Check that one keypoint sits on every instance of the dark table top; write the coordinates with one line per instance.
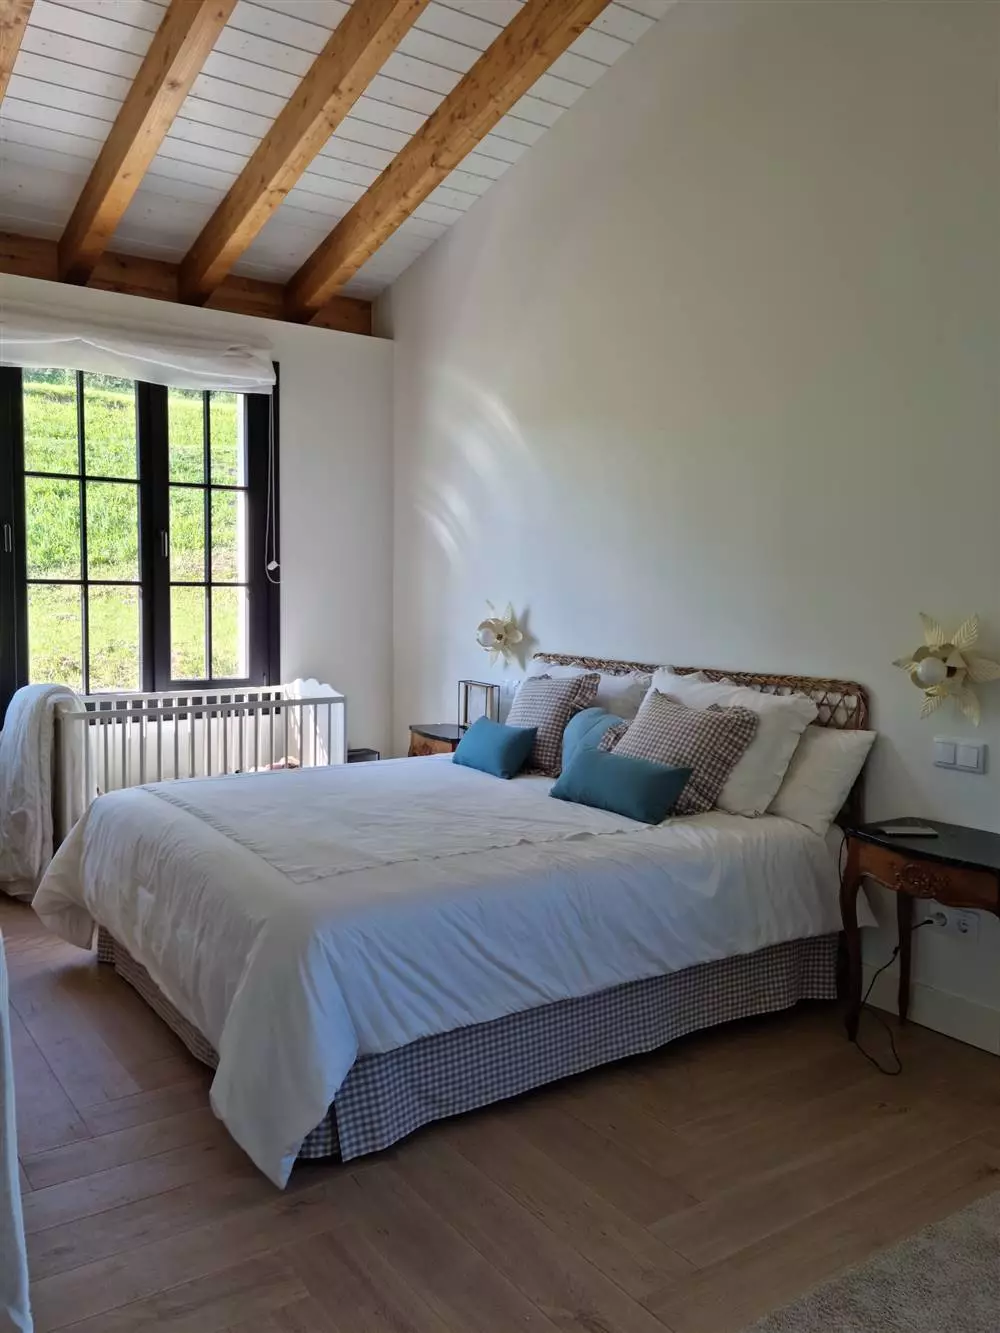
(955, 844)
(439, 731)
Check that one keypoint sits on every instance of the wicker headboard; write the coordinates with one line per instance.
(842, 703)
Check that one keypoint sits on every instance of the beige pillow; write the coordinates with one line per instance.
(823, 770)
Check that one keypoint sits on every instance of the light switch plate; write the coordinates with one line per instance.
(970, 756)
(945, 755)
(956, 752)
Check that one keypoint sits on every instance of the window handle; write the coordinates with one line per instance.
(8, 539)
(165, 543)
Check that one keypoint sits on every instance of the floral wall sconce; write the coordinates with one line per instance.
(945, 668)
(499, 635)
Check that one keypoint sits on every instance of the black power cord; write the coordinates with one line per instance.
(883, 1069)
(873, 1060)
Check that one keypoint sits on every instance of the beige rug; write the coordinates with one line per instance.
(942, 1280)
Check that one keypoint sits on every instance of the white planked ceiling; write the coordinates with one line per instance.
(78, 58)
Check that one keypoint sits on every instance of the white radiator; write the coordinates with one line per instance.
(125, 740)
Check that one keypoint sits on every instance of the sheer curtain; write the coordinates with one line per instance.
(35, 339)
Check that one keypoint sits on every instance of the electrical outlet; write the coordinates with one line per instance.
(955, 921)
(966, 923)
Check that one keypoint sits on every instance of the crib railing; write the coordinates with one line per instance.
(126, 740)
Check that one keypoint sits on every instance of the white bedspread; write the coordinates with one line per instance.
(301, 919)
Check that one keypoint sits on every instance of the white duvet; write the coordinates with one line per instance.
(301, 919)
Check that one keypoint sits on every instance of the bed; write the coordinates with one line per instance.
(362, 950)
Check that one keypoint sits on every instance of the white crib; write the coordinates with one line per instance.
(125, 740)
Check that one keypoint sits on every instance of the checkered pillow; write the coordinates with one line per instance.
(710, 741)
(548, 705)
(612, 736)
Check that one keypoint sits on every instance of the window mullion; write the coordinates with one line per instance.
(264, 608)
(81, 465)
(13, 559)
(154, 523)
(207, 497)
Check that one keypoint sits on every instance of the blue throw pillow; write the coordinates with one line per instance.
(494, 748)
(635, 788)
(584, 732)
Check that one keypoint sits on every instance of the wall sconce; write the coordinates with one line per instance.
(499, 635)
(944, 668)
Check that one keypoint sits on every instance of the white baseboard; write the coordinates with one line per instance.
(954, 1015)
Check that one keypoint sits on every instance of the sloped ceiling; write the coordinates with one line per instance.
(78, 58)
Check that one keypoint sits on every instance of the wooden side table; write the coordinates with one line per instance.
(434, 738)
(959, 868)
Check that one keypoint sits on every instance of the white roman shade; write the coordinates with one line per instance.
(34, 339)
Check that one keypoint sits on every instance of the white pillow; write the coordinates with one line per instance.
(667, 682)
(754, 782)
(620, 695)
(823, 770)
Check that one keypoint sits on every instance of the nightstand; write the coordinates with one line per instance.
(958, 868)
(363, 754)
(434, 737)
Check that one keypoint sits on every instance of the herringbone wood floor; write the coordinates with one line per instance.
(691, 1190)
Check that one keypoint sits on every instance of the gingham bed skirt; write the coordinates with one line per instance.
(385, 1097)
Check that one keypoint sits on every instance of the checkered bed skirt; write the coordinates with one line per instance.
(385, 1097)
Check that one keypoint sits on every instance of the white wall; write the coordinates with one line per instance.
(336, 487)
(711, 377)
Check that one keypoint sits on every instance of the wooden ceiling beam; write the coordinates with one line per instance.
(367, 34)
(176, 54)
(14, 15)
(35, 257)
(525, 49)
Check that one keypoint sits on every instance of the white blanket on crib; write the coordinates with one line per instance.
(27, 785)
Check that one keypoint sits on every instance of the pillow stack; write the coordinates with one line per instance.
(646, 746)
(749, 752)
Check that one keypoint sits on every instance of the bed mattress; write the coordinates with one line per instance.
(303, 920)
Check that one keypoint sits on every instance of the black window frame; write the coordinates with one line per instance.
(152, 434)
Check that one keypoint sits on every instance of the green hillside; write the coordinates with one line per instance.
(111, 515)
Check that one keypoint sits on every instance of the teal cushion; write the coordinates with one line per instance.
(584, 731)
(494, 748)
(635, 788)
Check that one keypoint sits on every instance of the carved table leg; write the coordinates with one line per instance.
(904, 920)
(849, 915)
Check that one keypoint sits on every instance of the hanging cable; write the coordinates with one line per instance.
(896, 1068)
(271, 566)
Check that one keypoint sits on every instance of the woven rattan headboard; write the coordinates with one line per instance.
(842, 703)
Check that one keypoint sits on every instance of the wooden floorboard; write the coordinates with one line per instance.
(688, 1191)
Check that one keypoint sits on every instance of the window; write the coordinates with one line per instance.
(135, 524)
(208, 525)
